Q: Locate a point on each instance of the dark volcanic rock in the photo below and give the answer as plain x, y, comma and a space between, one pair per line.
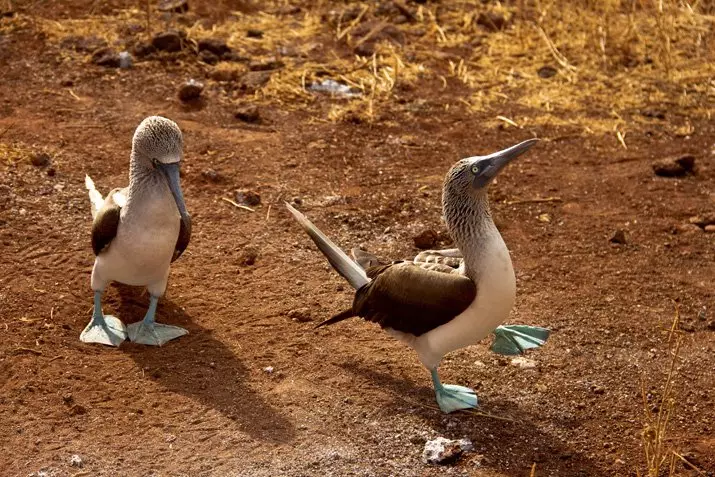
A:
426, 239
546, 72
253, 33
248, 113
209, 58
619, 237
215, 46
141, 50
106, 57
41, 159
248, 197
190, 90
169, 41
675, 166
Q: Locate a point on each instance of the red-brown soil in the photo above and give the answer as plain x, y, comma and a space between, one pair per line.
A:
346, 400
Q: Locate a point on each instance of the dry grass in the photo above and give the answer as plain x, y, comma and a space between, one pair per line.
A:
612, 58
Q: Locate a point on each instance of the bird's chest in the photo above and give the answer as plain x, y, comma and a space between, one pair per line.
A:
148, 232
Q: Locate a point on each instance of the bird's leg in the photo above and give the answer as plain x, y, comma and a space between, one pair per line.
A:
149, 332
451, 397
107, 330
515, 339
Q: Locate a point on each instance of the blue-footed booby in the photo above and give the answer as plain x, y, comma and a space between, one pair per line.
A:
138, 231
443, 300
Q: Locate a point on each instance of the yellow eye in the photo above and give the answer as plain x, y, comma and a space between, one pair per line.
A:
475, 169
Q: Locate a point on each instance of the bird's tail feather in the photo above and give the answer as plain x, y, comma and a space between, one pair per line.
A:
343, 315
350, 270
95, 198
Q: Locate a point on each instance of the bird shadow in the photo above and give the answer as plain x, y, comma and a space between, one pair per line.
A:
506, 435
202, 368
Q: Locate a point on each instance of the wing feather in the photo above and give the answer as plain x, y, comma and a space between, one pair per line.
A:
105, 223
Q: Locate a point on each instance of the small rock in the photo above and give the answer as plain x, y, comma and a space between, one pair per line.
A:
211, 175
106, 57
125, 60
175, 6
215, 46
653, 113
67, 398
619, 237
248, 197
703, 220
709, 228
300, 314
253, 33
426, 239
51, 171
444, 451
268, 369
687, 327
248, 113
674, 167
76, 461
41, 159
523, 363
169, 41
547, 72
142, 50
711, 325
265, 65
254, 80
190, 90
596, 389
492, 21
78, 410
688, 229
208, 57
248, 256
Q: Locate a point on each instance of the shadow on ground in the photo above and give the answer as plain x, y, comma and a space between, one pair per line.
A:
203, 369
512, 445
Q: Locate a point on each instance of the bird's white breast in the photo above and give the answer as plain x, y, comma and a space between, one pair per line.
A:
496, 293
141, 252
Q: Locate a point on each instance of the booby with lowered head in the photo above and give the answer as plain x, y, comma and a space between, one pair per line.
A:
437, 305
138, 231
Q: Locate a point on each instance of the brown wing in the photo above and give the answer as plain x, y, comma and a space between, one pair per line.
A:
408, 298
105, 223
184, 237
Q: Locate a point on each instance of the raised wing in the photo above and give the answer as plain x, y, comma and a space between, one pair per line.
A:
106, 221
184, 237
411, 299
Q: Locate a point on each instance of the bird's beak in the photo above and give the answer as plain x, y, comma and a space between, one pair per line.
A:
499, 160
171, 174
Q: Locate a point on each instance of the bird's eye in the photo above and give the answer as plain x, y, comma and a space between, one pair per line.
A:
475, 169
155, 162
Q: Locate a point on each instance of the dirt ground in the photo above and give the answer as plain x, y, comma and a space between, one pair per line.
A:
254, 390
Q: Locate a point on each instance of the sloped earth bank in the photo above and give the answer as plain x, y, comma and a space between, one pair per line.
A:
254, 390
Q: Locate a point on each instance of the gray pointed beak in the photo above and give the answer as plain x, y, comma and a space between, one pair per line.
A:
491, 165
171, 174
500, 159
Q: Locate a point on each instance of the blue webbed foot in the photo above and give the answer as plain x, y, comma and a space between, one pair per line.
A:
451, 397
149, 332
107, 330
515, 339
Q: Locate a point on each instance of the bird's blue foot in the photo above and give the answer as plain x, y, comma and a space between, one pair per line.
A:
149, 332
107, 330
515, 339
451, 397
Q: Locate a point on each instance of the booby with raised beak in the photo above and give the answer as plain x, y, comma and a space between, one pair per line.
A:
138, 231
449, 299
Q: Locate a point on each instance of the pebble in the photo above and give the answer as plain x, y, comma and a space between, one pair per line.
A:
247, 113
445, 451
265, 65
492, 21
215, 46
674, 166
255, 79
302, 315
125, 60
211, 175
207, 57
76, 461
41, 159
248, 197
141, 50
619, 237
190, 90
175, 6
106, 57
547, 72
710, 228
248, 256
169, 41
268, 369
523, 363
711, 325
688, 229
703, 220
426, 239
254, 33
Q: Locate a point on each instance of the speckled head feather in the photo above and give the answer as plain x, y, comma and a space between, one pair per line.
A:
157, 139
